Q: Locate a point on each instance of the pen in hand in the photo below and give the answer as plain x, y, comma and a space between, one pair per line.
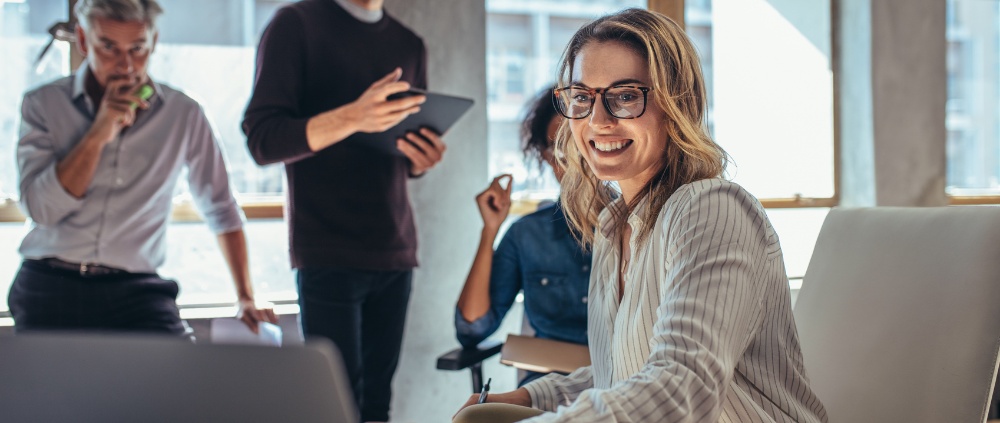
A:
486, 390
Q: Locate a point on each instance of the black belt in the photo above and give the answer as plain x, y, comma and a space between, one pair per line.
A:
85, 269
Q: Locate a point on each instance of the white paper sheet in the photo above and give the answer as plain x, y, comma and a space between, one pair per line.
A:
232, 331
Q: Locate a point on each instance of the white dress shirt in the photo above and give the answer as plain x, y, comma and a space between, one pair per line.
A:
122, 219
704, 331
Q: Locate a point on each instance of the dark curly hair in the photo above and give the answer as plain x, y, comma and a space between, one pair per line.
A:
535, 126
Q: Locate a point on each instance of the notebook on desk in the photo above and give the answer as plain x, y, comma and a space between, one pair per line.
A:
543, 355
105, 378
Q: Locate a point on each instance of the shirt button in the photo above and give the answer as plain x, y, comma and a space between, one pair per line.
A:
584, 300
119, 181
586, 268
545, 281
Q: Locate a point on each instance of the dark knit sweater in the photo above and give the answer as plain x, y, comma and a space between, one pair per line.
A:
347, 204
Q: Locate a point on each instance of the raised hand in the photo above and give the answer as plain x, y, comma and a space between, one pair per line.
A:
494, 202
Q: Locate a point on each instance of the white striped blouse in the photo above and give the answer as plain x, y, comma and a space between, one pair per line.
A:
704, 331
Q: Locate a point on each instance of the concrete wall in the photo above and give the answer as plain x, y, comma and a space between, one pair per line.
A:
893, 109
447, 221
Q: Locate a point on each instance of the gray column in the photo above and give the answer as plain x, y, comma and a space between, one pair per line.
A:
448, 222
892, 86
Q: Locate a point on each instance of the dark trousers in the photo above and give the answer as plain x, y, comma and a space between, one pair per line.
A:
46, 298
363, 312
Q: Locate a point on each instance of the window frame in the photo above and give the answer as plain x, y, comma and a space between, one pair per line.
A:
10, 212
274, 209
969, 200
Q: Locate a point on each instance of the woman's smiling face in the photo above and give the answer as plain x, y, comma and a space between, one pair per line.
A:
629, 151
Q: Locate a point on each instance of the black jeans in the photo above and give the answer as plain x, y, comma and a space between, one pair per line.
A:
46, 298
363, 312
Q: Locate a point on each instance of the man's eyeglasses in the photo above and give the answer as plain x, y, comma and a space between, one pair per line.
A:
622, 102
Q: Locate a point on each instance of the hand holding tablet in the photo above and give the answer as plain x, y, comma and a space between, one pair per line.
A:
438, 113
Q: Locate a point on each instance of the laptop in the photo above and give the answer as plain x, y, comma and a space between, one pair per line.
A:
120, 378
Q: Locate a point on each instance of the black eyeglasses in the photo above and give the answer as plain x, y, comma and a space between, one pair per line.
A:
622, 102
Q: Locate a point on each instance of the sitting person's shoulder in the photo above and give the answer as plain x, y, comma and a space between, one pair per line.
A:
713, 189
546, 214
547, 209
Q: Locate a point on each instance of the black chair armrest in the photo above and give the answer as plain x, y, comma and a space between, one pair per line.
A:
461, 358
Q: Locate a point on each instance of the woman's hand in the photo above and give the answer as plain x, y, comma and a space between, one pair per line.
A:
516, 397
494, 202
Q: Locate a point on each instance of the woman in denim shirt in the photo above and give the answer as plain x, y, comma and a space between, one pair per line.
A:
538, 254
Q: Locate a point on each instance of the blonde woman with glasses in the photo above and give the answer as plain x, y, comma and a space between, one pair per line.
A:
690, 317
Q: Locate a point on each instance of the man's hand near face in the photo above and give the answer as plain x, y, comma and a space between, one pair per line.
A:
116, 111
76, 170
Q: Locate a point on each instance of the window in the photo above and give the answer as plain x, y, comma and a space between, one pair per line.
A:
770, 84
212, 60
207, 50
771, 100
23, 34
770, 87
973, 108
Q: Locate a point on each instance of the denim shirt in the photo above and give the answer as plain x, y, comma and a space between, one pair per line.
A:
539, 255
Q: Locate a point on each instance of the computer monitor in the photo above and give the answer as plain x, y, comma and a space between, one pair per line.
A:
116, 378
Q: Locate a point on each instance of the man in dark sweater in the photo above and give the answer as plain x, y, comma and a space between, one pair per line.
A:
324, 71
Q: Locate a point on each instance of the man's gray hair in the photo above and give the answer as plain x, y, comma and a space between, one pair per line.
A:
120, 10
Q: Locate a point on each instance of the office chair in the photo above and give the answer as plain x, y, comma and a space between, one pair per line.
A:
898, 314
524, 352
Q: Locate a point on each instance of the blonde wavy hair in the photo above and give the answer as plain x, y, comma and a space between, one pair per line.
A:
678, 88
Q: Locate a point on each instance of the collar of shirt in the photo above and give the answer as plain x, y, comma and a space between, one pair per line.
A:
360, 13
606, 222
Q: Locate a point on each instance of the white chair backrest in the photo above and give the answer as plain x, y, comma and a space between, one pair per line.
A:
899, 314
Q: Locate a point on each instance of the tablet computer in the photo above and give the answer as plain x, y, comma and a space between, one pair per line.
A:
438, 113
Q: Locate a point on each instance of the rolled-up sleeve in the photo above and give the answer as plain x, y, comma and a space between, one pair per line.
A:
553, 390
42, 196
505, 283
207, 177
470, 334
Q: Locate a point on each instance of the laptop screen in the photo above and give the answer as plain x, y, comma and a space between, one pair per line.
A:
116, 378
